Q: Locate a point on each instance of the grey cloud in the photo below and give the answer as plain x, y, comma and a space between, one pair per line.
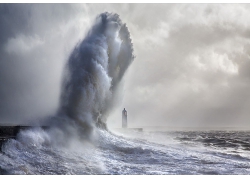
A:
189, 95
183, 74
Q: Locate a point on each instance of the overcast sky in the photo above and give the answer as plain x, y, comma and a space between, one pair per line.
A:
192, 65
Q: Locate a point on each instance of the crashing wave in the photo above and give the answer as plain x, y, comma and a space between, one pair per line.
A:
94, 71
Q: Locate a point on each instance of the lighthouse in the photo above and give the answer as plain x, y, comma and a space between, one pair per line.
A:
124, 118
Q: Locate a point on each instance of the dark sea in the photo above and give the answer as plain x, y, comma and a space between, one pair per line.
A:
37, 151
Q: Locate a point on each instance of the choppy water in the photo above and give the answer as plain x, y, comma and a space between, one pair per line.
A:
128, 152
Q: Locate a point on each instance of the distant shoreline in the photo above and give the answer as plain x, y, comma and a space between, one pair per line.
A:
160, 128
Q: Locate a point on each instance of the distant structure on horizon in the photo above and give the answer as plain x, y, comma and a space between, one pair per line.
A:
124, 118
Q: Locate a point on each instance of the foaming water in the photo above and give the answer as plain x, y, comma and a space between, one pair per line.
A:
189, 153
116, 153
35, 152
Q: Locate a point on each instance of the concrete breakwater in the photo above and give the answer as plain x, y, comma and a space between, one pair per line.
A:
8, 132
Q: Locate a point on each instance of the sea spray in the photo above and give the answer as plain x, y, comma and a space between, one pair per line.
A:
94, 71
90, 85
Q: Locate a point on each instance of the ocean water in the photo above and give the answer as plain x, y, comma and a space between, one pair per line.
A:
128, 152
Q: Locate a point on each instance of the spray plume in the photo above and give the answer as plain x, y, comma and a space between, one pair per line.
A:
94, 71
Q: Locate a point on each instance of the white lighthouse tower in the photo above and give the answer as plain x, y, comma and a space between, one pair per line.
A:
124, 118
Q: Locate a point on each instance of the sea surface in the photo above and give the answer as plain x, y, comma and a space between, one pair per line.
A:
37, 151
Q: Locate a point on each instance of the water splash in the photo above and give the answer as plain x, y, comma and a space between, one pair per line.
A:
95, 70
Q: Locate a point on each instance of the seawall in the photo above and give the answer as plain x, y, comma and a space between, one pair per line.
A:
10, 132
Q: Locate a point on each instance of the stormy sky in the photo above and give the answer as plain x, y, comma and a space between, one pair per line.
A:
192, 65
